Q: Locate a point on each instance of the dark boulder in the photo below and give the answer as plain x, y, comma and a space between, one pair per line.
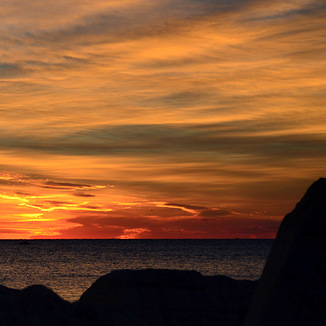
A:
292, 289
134, 298
173, 297
35, 306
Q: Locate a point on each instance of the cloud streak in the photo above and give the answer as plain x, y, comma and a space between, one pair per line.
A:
186, 113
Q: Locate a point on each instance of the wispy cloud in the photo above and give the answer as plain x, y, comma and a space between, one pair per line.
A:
206, 108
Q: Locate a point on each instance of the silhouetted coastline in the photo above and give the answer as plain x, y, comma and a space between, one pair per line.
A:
144, 297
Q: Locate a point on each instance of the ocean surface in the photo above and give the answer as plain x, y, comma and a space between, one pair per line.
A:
69, 267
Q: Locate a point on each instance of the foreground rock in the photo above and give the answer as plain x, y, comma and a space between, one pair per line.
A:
144, 297
33, 306
292, 289
170, 297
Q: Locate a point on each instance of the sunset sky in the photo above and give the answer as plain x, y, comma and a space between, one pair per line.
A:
159, 118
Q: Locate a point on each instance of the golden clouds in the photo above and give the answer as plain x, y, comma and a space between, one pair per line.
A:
203, 103
201, 64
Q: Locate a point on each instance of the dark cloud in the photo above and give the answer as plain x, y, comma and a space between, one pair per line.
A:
57, 202
167, 212
214, 213
115, 25
8, 70
64, 185
80, 194
150, 212
89, 207
242, 137
134, 22
185, 97
186, 206
24, 193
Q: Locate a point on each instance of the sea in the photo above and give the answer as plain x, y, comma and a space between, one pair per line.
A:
70, 267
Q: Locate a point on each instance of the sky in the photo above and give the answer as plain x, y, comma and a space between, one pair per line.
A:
159, 119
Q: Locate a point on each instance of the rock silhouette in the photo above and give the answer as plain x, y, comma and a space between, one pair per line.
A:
172, 297
34, 306
132, 298
292, 289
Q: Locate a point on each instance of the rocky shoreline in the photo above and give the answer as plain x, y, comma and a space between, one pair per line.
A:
127, 297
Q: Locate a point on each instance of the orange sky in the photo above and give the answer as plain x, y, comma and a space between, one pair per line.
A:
159, 119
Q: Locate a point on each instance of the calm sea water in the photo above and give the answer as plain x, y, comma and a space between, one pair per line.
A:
69, 267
